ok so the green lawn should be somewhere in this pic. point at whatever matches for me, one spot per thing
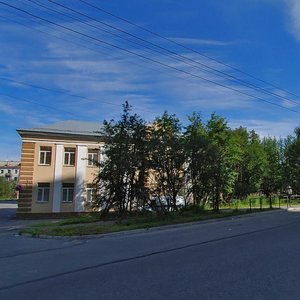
(92, 224)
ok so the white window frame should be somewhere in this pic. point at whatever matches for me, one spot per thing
(47, 154)
(92, 192)
(67, 156)
(45, 189)
(93, 157)
(69, 189)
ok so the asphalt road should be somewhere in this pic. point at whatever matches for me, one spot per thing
(252, 257)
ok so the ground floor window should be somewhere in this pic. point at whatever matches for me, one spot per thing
(67, 192)
(43, 192)
(90, 193)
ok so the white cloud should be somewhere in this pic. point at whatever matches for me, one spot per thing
(111, 77)
(294, 17)
(8, 109)
(264, 128)
(196, 41)
(19, 114)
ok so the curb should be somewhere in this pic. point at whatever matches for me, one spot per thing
(8, 202)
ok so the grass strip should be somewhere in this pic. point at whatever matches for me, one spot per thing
(80, 226)
(70, 221)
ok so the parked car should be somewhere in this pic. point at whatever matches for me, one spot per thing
(159, 201)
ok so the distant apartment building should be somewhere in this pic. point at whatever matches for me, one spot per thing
(58, 167)
(10, 170)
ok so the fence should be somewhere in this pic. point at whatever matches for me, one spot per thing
(263, 202)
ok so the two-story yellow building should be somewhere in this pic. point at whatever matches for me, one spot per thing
(58, 167)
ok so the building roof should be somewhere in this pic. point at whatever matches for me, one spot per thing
(69, 127)
(9, 164)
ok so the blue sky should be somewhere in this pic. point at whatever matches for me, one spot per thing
(259, 37)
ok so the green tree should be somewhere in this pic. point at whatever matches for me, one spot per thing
(257, 162)
(240, 136)
(167, 159)
(199, 162)
(272, 178)
(224, 158)
(251, 165)
(291, 161)
(123, 172)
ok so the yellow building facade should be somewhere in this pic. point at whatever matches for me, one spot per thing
(58, 167)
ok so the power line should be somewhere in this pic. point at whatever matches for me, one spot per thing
(56, 36)
(188, 60)
(59, 92)
(185, 59)
(54, 90)
(49, 89)
(91, 49)
(65, 92)
(187, 48)
(149, 59)
(84, 46)
(77, 44)
(38, 3)
(37, 103)
(142, 45)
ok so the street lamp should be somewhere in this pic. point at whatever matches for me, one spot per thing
(289, 193)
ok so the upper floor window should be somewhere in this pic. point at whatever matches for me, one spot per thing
(16, 171)
(45, 155)
(1, 171)
(93, 157)
(43, 192)
(67, 192)
(8, 171)
(69, 158)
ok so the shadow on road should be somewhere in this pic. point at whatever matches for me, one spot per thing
(8, 211)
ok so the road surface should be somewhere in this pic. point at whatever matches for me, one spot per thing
(251, 257)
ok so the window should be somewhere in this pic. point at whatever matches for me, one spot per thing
(2, 171)
(67, 192)
(15, 178)
(45, 156)
(93, 155)
(69, 159)
(16, 171)
(90, 193)
(43, 192)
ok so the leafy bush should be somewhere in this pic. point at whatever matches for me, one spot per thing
(7, 189)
